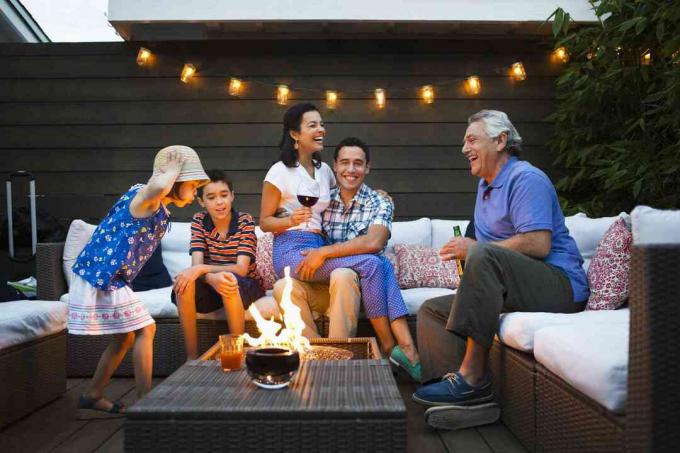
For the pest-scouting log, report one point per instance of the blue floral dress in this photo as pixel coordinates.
(100, 300)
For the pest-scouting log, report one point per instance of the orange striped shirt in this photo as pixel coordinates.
(223, 251)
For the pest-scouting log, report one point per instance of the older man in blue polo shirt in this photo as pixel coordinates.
(522, 260)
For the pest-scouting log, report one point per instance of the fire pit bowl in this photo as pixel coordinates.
(272, 368)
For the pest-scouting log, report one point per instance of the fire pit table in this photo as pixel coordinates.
(331, 405)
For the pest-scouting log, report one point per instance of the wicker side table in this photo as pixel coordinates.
(344, 406)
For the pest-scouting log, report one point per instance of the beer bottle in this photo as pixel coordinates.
(457, 233)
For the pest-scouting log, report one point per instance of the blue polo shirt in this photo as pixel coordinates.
(521, 199)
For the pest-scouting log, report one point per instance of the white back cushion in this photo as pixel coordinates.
(176, 243)
(442, 231)
(415, 232)
(655, 226)
(78, 234)
(588, 232)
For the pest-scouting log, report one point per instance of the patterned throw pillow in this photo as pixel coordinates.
(263, 260)
(421, 267)
(608, 272)
(395, 262)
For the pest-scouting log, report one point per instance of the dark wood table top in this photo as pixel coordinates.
(200, 390)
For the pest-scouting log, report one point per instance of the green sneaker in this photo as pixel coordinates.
(398, 358)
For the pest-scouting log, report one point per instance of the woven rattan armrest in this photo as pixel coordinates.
(653, 407)
(49, 270)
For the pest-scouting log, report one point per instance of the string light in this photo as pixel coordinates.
(427, 93)
(380, 98)
(188, 72)
(517, 71)
(646, 58)
(473, 85)
(282, 92)
(235, 86)
(561, 54)
(143, 56)
(331, 99)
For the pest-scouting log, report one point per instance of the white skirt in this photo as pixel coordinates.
(92, 311)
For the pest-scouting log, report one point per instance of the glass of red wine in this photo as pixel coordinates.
(308, 193)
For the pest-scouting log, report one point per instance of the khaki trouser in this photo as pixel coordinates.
(339, 300)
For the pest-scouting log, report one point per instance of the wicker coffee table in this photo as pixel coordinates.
(351, 405)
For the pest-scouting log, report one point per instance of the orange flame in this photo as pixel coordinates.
(274, 334)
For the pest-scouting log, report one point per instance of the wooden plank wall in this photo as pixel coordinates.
(87, 121)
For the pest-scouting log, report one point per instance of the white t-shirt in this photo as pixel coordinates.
(287, 181)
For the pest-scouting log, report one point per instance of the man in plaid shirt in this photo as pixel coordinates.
(358, 220)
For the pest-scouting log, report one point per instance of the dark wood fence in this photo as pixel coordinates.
(87, 121)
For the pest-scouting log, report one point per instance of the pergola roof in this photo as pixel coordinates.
(152, 20)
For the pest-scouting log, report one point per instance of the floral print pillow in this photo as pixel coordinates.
(263, 260)
(421, 267)
(608, 272)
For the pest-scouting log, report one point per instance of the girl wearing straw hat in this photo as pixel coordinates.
(101, 302)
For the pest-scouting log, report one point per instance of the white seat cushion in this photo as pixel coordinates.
(266, 305)
(159, 305)
(591, 357)
(22, 321)
(518, 330)
(415, 297)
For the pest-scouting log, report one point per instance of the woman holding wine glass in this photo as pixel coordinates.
(295, 193)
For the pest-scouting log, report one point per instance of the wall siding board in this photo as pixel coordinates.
(87, 120)
(264, 134)
(239, 111)
(159, 89)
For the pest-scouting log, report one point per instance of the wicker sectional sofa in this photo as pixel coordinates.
(32, 356)
(543, 409)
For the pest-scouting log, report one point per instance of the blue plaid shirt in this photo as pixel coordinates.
(342, 223)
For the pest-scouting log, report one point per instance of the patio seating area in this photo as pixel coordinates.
(570, 231)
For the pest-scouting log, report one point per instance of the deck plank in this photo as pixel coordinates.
(50, 426)
(420, 437)
(114, 444)
(500, 438)
(464, 441)
(55, 428)
(97, 432)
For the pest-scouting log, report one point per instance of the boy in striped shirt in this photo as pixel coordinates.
(222, 272)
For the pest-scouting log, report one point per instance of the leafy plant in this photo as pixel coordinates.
(617, 123)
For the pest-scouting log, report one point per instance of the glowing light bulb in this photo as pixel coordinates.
(235, 86)
(427, 93)
(331, 99)
(473, 85)
(143, 56)
(517, 71)
(380, 98)
(188, 72)
(561, 54)
(646, 58)
(282, 93)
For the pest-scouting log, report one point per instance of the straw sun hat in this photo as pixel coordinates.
(192, 169)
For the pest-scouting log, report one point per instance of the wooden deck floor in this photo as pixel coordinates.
(55, 428)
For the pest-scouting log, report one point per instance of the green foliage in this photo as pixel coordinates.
(617, 123)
